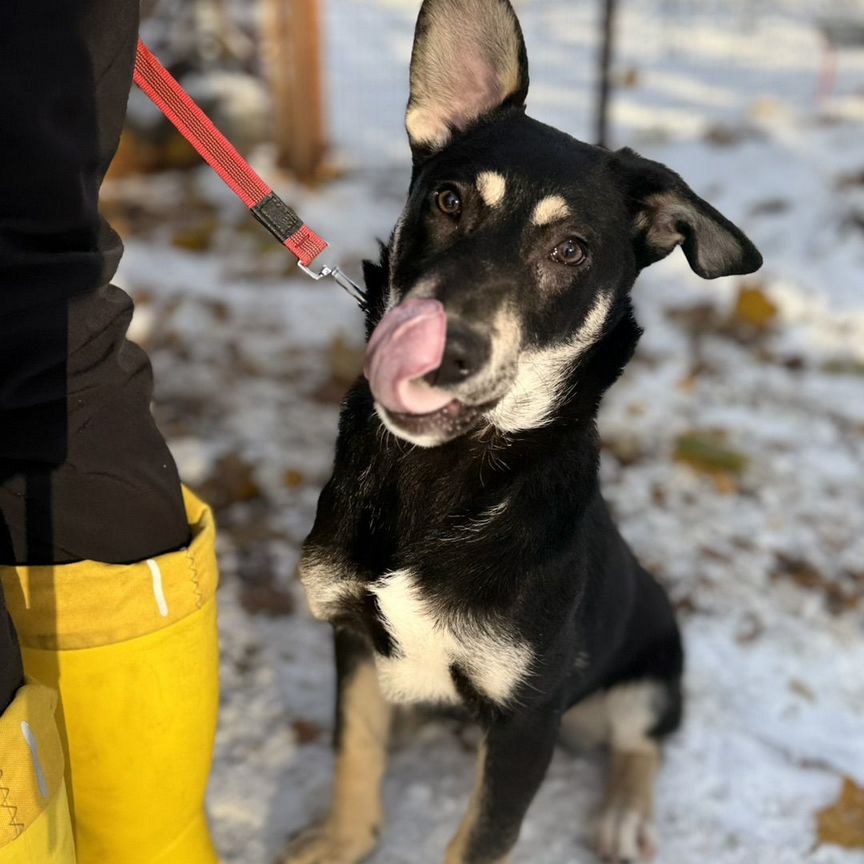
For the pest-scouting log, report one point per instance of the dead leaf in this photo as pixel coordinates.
(796, 685)
(689, 384)
(755, 308)
(708, 452)
(195, 238)
(345, 360)
(266, 599)
(293, 479)
(626, 449)
(713, 554)
(801, 572)
(247, 660)
(750, 628)
(232, 481)
(221, 310)
(306, 731)
(850, 181)
(771, 207)
(839, 366)
(145, 151)
(721, 135)
(630, 78)
(725, 483)
(842, 824)
(839, 598)
(854, 219)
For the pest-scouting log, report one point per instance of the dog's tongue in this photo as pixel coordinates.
(408, 343)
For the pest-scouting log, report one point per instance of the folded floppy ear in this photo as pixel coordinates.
(469, 59)
(668, 213)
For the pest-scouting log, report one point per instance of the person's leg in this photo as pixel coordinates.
(11, 669)
(120, 617)
(84, 473)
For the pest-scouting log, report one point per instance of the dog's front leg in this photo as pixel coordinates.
(512, 763)
(351, 830)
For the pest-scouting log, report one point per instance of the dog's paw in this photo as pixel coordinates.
(321, 844)
(624, 834)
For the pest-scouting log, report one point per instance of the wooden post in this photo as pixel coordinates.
(295, 69)
(604, 89)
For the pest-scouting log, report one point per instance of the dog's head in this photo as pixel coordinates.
(517, 241)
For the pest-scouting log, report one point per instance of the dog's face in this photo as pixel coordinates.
(516, 240)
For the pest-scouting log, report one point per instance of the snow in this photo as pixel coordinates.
(243, 351)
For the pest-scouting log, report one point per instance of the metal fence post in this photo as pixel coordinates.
(604, 84)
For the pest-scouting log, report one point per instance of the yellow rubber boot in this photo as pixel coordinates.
(133, 652)
(34, 813)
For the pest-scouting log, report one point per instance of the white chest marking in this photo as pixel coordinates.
(427, 646)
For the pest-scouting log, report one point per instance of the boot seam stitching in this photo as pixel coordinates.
(196, 580)
(13, 809)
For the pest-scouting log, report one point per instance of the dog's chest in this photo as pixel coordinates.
(427, 648)
(429, 651)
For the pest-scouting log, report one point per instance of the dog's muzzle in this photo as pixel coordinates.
(412, 362)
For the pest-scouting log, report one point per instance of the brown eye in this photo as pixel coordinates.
(570, 252)
(449, 201)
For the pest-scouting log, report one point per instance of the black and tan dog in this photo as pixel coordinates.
(462, 550)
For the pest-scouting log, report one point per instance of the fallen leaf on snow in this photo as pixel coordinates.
(755, 308)
(842, 824)
(232, 481)
(195, 238)
(708, 452)
(266, 599)
(796, 685)
(839, 598)
(345, 360)
(293, 479)
(306, 731)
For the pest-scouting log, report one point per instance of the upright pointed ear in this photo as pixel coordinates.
(469, 59)
(668, 213)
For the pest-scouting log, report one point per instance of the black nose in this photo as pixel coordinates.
(465, 354)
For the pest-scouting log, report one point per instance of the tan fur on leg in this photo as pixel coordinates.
(458, 848)
(623, 717)
(350, 832)
(625, 831)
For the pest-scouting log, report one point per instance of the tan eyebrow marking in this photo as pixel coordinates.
(550, 209)
(492, 188)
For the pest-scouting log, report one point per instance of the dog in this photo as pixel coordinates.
(462, 550)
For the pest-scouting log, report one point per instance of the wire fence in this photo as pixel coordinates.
(683, 67)
(680, 67)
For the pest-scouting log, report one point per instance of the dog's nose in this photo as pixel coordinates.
(465, 353)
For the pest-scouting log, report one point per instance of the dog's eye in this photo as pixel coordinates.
(448, 201)
(570, 252)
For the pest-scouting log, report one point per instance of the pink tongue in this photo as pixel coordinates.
(408, 343)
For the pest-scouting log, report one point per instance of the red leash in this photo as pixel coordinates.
(266, 206)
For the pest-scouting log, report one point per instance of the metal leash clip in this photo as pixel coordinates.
(353, 289)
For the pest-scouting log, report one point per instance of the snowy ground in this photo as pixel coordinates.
(765, 557)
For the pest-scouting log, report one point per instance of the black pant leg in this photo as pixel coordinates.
(84, 473)
(11, 671)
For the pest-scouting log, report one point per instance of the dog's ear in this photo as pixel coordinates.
(668, 213)
(468, 59)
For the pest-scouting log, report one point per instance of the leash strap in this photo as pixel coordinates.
(197, 128)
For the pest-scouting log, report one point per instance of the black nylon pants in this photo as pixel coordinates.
(84, 472)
